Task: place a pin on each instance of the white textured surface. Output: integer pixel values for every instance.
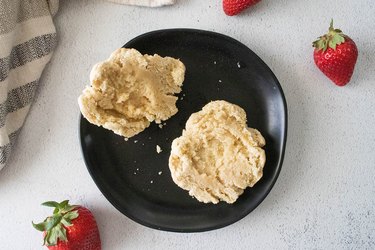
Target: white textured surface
(325, 195)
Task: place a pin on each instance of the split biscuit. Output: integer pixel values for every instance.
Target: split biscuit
(130, 90)
(217, 156)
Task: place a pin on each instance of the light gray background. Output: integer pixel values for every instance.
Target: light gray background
(324, 197)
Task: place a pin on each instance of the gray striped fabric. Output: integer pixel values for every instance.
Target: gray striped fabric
(27, 40)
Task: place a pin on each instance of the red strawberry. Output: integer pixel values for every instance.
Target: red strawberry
(233, 7)
(335, 55)
(69, 228)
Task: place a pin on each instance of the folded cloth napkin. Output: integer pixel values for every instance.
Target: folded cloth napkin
(27, 40)
(149, 3)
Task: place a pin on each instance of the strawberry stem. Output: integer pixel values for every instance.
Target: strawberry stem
(331, 25)
(333, 38)
(54, 225)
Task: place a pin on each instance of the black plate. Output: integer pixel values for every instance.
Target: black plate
(217, 68)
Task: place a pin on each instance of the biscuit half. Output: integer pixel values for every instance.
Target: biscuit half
(217, 156)
(130, 90)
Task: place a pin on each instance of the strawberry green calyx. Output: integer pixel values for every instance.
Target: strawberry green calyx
(333, 38)
(53, 226)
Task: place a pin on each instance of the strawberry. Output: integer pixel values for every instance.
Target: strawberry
(233, 7)
(335, 54)
(70, 227)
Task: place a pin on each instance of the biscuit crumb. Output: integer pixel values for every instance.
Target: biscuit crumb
(126, 139)
(160, 172)
(158, 149)
(151, 181)
(214, 62)
(160, 125)
(219, 80)
(135, 141)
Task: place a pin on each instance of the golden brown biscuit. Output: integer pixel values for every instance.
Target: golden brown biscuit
(217, 156)
(130, 90)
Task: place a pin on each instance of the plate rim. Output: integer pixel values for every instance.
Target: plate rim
(113, 201)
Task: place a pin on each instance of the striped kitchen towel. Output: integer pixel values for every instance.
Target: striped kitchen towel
(27, 40)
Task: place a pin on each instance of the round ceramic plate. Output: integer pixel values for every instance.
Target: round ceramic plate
(136, 179)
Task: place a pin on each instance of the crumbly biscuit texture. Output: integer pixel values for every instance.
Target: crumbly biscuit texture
(130, 90)
(217, 156)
